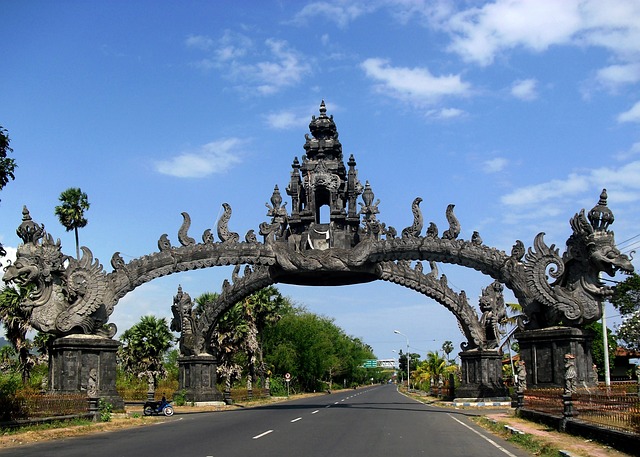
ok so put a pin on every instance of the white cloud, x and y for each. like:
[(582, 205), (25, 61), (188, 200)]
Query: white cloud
[(633, 115), (286, 119), (624, 180), (340, 12), (199, 42), (445, 113), (416, 85), (525, 89), (286, 68), (633, 151), (481, 33), (616, 75), (214, 157), (495, 165)]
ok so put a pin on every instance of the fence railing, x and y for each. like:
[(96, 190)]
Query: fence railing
[(37, 405), (616, 407)]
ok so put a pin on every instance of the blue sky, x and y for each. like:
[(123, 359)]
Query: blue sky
[(518, 112)]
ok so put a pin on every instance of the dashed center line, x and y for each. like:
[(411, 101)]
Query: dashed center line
[(297, 419), (262, 434), (316, 411)]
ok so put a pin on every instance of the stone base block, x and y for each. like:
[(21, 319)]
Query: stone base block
[(481, 375), (543, 352), (197, 378), (77, 358)]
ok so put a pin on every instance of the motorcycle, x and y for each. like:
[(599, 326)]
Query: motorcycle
[(158, 407)]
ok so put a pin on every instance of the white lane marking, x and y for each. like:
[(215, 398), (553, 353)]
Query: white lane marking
[(342, 399), (316, 411), (262, 434), (297, 419), (336, 403), (482, 436)]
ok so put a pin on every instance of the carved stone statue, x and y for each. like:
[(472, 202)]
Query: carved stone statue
[(570, 375), (191, 339), (92, 383), (521, 380), (66, 296), (493, 313)]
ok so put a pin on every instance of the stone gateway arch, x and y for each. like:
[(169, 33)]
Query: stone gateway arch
[(559, 293)]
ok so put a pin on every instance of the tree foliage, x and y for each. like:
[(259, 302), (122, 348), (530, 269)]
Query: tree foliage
[(626, 299), (7, 164), (15, 320), (70, 212), (144, 346), (315, 351)]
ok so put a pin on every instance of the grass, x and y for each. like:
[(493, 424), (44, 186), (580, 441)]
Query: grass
[(525, 441), (45, 426)]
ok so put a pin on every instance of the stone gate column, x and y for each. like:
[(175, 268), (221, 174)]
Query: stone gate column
[(197, 378), (543, 352), (76, 358), (481, 375)]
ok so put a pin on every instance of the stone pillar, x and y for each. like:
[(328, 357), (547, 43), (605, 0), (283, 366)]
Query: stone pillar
[(197, 378), (543, 351), (481, 375), (83, 363)]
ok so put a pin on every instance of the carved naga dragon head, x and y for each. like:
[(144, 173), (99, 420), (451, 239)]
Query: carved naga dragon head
[(576, 296), (64, 295)]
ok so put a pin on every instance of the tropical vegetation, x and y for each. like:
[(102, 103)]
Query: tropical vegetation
[(71, 211)]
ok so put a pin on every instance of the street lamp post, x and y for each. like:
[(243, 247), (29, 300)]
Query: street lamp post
[(408, 375)]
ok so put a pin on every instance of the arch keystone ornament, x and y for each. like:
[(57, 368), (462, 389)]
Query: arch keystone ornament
[(329, 237)]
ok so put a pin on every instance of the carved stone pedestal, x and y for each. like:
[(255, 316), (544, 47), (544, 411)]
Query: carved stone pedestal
[(87, 364), (543, 352), (481, 375), (197, 378)]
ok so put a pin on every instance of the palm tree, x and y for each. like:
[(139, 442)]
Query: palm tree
[(143, 349), (447, 348), (71, 211), (16, 325), (435, 364)]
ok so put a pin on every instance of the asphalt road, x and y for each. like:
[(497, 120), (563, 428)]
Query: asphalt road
[(376, 421)]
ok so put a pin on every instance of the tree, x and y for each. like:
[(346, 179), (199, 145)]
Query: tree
[(435, 364), (315, 351), (71, 212), (144, 347), (447, 348), (16, 324), (626, 299), (238, 331), (7, 166)]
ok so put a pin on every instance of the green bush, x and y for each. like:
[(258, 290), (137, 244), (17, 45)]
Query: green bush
[(180, 398), (277, 387), (105, 409)]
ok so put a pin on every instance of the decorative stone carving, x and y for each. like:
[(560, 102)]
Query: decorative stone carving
[(191, 338), (494, 314), (67, 295), (522, 377), (570, 375), (70, 296)]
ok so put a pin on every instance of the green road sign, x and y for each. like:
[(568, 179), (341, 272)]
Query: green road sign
[(370, 363)]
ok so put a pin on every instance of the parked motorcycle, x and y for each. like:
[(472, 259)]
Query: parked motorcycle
[(158, 407)]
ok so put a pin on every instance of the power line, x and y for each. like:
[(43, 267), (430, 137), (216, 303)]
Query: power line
[(628, 239)]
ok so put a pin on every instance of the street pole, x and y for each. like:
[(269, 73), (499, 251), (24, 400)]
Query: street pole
[(408, 374)]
